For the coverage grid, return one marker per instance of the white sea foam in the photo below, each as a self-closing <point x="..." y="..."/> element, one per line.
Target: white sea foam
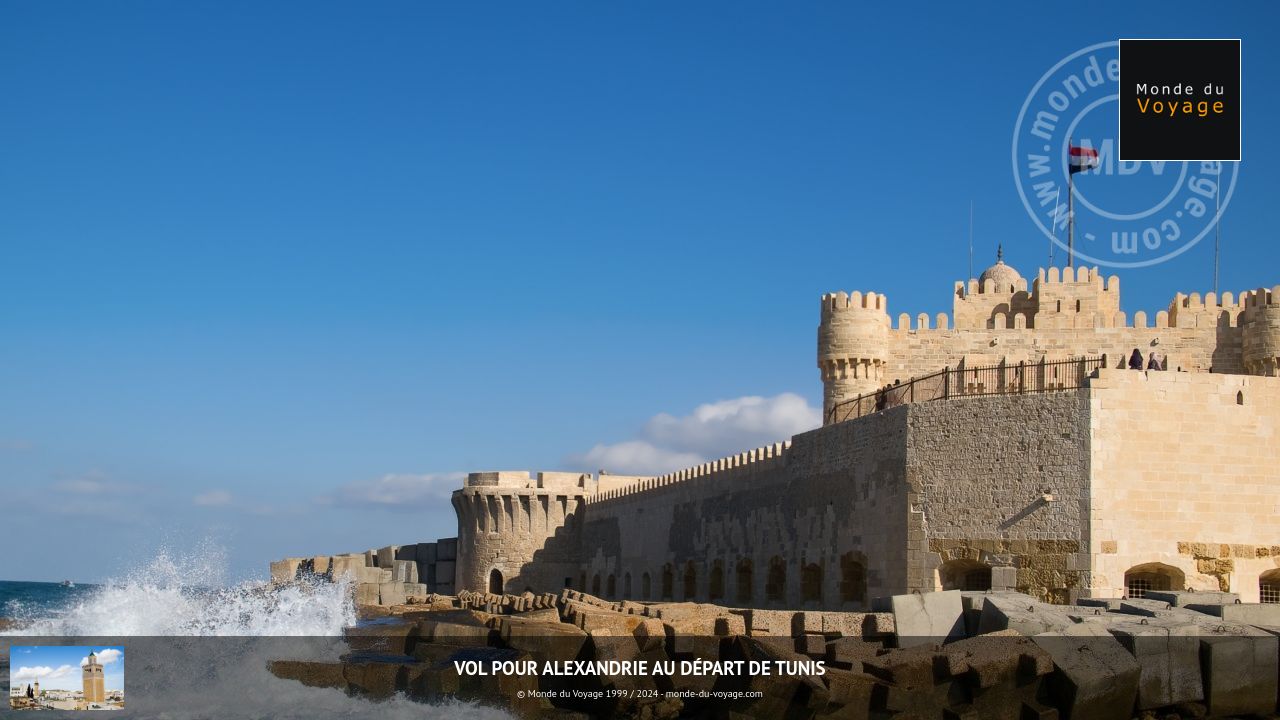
<point x="196" y="648"/>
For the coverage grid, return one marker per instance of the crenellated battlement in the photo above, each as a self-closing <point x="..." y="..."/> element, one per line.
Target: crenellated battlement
<point x="856" y="300"/>
<point x="756" y="459"/>
<point x="1063" y="312"/>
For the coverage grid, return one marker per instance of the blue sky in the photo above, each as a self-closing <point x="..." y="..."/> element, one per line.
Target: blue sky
<point x="58" y="667"/>
<point x="274" y="273"/>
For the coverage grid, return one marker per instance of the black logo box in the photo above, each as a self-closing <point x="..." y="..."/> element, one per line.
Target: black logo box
<point x="1180" y="65"/>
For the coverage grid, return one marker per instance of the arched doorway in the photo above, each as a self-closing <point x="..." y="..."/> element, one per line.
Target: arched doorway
<point x="1269" y="587"/>
<point x="690" y="581"/>
<point x="965" y="574"/>
<point x="495" y="581"/>
<point x="1140" y="579"/>
<point x="626" y="586"/>
<point x="811" y="583"/>
<point x="715" y="590"/>
<point x="853" y="578"/>
<point x="645" y="586"/>
<point x="595" y="584"/>
<point x="775" y="586"/>
<point x="744" y="580"/>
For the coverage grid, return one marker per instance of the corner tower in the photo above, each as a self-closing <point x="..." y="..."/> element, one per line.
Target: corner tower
<point x="1260" y="339"/>
<point x="853" y="346"/>
<point x="516" y="531"/>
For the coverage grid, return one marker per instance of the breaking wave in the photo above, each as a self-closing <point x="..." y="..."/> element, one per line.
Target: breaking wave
<point x="179" y="622"/>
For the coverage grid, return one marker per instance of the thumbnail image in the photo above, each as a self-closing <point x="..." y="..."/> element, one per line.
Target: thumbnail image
<point x="66" y="677"/>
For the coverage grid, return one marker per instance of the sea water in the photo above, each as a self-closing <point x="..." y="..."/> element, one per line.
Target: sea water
<point x="198" y="649"/>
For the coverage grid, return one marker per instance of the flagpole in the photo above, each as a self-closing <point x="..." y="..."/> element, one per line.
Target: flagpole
<point x="1217" y="231"/>
<point x="1057" y="214"/>
<point x="1071" y="210"/>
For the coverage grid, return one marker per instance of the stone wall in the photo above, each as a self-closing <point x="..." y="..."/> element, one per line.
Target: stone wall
<point x="821" y="524"/>
<point x="1185" y="471"/>
<point x="1000" y="481"/>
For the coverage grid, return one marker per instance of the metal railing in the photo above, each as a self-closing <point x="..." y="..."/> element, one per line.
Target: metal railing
<point x="1001" y="379"/>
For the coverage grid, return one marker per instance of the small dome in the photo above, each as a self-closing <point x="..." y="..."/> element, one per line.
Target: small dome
<point x="1003" y="275"/>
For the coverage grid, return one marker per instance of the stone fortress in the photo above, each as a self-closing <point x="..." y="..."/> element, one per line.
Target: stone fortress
<point x="1007" y="446"/>
<point x="1120" y="482"/>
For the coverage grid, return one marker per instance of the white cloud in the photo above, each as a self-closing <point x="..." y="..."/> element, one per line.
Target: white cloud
<point x="213" y="498"/>
<point x="712" y="430"/>
<point x="41" y="672"/>
<point x="633" y="457"/>
<point x="105" y="657"/>
<point x="94" y="483"/>
<point x="398" y="490"/>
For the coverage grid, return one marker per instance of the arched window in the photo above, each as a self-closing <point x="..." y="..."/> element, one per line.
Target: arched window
<point x="1240" y="397"/>
<point x="1269" y="586"/>
<point x="1139" y="579"/>
<point x="744" y="573"/>
<point x="626" y="585"/>
<point x="853" y="578"/>
<point x="644" y="586"/>
<point x="668" y="582"/>
<point x="595" y="585"/>
<point x="715" y="590"/>
<point x="495" y="582"/>
<point x="775" y="586"/>
<point x="690" y="581"/>
<point x="811" y="582"/>
<point x="611" y="587"/>
<point x="964" y="574"/>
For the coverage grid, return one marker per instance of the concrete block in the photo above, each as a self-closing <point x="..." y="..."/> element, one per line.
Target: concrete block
<point x="544" y="641"/>
<point x="407" y="552"/>
<point x="426" y="553"/>
<point x="387" y="556"/>
<point x="347" y="567"/>
<point x="1168" y="654"/>
<point x="927" y="617"/>
<point x="285" y="570"/>
<point x="1020" y="613"/>
<point x="444" y="572"/>
<point x="1249" y="613"/>
<point x="320" y="564"/>
<point x="391" y="593"/>
<point x="405" y="571"/>
<point x="1188" y="598"/>
<point x="1240" y="671"/>
<point x="1094" y="677"/>
<point x="366" y="594"/>
<point x="770" y="622"/>
<point x="464" y="635"/>
<point x="447" y="549"/>
<point x="1004" y="578"/>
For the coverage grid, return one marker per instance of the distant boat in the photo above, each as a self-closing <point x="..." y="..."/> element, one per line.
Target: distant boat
<point x="68" y="583"/>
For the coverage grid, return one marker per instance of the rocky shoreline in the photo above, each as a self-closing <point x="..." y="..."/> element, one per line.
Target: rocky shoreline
<point x="972" y="655"/>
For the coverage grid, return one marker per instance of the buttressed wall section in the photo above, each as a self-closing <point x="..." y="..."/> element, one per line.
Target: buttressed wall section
<point x="821" y="523"/>
<point x="1184" y="488"/>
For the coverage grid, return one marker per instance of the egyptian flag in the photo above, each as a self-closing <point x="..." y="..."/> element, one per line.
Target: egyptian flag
<point x="1082" y="159"/>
